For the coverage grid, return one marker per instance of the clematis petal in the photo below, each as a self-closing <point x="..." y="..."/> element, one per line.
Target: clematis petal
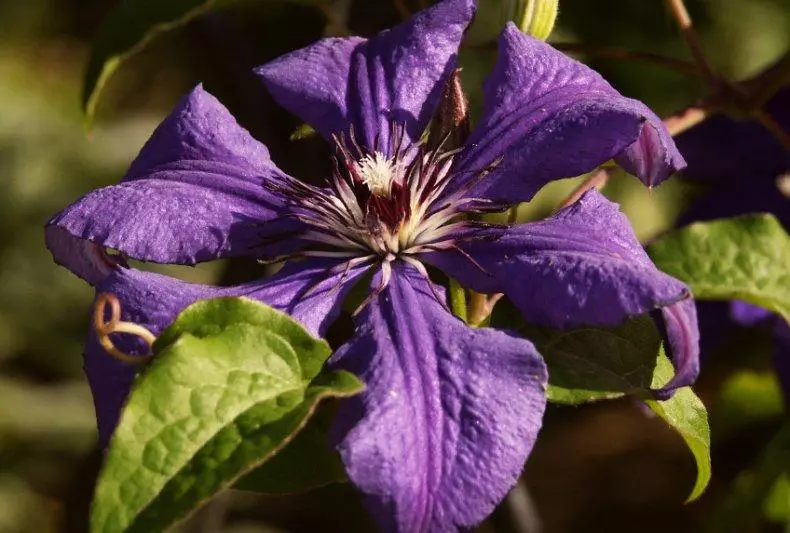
<point x="311" y="292"/>
<point x="581" y="266"/>
<point x="449" y="413"/>
<point x="194" y="193"/>
<point x="747" y="315"/>
<point x="549" y="117"/>
<point x="679" y="324"/>
<point x="397" y="75"/>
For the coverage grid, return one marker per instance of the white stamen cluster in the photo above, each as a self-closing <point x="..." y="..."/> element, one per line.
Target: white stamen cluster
<point x="377" y="172"/>
<point x="401" y="216"/>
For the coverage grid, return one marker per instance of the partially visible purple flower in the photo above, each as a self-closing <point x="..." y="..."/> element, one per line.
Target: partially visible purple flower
<point x="449" y="413"/>
<point x="740" y="163"/>
<point x="745" y="170"/>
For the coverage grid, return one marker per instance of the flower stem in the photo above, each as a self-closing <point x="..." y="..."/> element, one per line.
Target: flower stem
<point x="512" y="215"/>
<point x="769" y="82"/>
<point x="774" y="127"/>
<point x="458" y="300"/>
<point x="688" y="118"/>
<point x="480" y="308"/>
<point x="596" y="180"/>
<point x="681" y="15"/>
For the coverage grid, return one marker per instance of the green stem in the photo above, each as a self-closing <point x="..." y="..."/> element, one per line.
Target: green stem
<point x="480" y="308"/>
<point x="458" y="300"/>
<point x="512" y="215"/>
<point x="477" y="308"/>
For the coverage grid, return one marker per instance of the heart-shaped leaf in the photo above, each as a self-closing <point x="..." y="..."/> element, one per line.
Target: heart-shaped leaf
<point x="742" y="258"/>
<point x="233" y="381"/>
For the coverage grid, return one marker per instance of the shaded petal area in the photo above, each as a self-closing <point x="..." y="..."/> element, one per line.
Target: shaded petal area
<point x="449" y="413"/>
<point x="583" y="265"/>
<point x="714" y="325"/>
<point x="195" y="192"/>
<point x="397" y="75"/>
<point x="748" y="315"/>
<point x="311" y="292"/>
<point x="681" y="331"/>
<point x="549" y="117"/>
<point x="726" y="149"/>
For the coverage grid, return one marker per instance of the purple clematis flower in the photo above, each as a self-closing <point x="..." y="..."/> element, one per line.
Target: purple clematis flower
<point x="450" y="412"/>
<point x="746" y="170"/>
<point x="741" y="163"/>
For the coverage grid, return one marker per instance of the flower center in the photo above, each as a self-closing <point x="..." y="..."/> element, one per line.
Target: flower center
<point x="381" y="204"/>
<point x="377" y="172"/>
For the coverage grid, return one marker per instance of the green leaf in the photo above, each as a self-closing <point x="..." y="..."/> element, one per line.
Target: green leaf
<point x="743" y="258"/>
<point x="588" y="364"/>
<point x="232" y="383"/>
<point x="285" y="472"/>
<point x="129" y="27"/>
<point x="745" y="503"/>
<point x="777" y="506"/>
<point x="591" y="363"/>
<point x="686" y="413"/>
<point x="303" y="131"/>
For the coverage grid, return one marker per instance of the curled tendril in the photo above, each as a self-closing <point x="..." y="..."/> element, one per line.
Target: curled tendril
<point x="116" y="325"/>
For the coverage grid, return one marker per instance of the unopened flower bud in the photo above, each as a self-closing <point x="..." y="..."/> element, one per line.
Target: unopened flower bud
<point x="537" y="17"/>
<point x="533" y="17"/>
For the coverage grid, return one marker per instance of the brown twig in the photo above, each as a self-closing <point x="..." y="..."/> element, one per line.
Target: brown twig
<point x="688" y="118"/>
<point x="765" y="85"/>
<point x="596" y="180"/>
<point x="776" y="130"/>
<point x="681" y="15"/>
<point x="679" y="65"/>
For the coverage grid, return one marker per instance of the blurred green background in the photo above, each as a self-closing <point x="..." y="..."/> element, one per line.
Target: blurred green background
<point x="606" y="467"/>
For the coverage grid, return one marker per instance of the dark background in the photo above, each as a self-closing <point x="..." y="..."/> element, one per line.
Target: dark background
<point x="605" y="467"/>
